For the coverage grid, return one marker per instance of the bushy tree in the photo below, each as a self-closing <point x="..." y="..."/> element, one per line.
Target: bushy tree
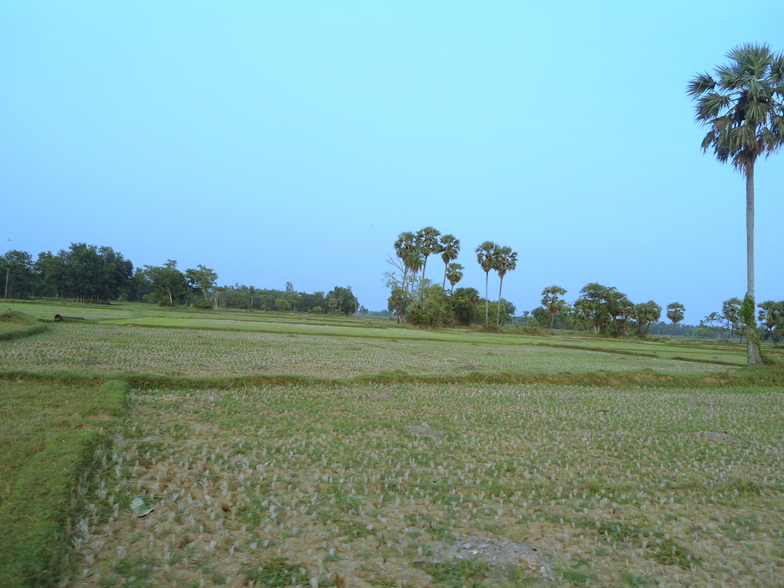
<point x="167" y="284"/>
<point x="430" y="307"/>
<point x="342" y="301"/>
<point x="645" y="314"/>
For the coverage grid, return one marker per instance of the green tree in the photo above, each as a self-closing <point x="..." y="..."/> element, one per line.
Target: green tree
<point x="505" y="261"/>
<point x="17" y="271"/>
<point x="450" y="247"/>
<point x="485" y="256"/>
<point x="743" y="107"/>
<point x="407" y="250"/>
<point x="645" y="314"/>
<point x="454" y="274"/>
<point x="771" y="317"/>
<point x="552" y="300"/>
<point x="730" y="312"/>
<point x="675" y="312"/>
<point x="465" y="305"/>
<point x="166" y="282"/>
<point x="428" y="243"/>
<point x="342" y="300"/>
<point x="431" y="307"/>
<point x="201" y="280"/>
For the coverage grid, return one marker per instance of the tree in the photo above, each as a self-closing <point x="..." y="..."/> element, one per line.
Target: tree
<point x="166" y="282"/>
<point x="771" y="316"/>
<point x="464" y="304"/>
<point x="202" y="279"/>
<point x="604" y="308"/>
<point x="17" y="274"/>
<point x="552" y="301"/>
<point x="730" y="312"/>
<point x="505" y="261"/>
<point x="645" y="314"/>
<point x="431" y="308"/>
<point x="454" y="274"/>
<point x="675" y="312"/>
<point x="342" y="300"/>
<point x="428" y="242"/>
<point x="450" y="247"/>
<point x="743" y="107"/>
<point x="407" y="250"/>
<point x="485" y="256"/>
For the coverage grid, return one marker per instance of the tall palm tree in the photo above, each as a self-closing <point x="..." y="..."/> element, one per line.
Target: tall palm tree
<point x="450" y="247"/>
<point x="406" y="250"/>
<point x="454" y="274"/>
<point x="428" y="241"/>
<point x="743" y="106"/>
<point x="505" y="261"/>
<point x="485" y="255"/>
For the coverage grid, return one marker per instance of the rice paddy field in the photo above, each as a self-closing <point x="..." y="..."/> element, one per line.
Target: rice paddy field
<point x="392" y="463"/>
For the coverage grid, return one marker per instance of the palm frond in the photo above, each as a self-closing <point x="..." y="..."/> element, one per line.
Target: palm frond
<point x="700" y="84"/>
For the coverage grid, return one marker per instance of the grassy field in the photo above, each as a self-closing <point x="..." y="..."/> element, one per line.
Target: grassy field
<point x="388" y="461"/>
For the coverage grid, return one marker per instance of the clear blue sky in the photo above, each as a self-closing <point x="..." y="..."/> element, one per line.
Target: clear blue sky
<point x="292" y="141"/>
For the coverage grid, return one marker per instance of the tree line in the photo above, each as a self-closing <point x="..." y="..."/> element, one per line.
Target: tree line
<point x="87" y="273"/>
<point x="418" y="300"/>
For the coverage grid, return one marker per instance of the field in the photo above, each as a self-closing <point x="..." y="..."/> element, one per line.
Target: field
<point x="285" y="450"/>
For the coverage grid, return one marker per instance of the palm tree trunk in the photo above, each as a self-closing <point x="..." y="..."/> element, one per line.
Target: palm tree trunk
<point x="487" y="300"/>
<point x="498" y="308"/>
<point x="753" y="356"/>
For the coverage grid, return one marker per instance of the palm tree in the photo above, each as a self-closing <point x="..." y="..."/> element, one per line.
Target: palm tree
<point x="454" y="274"/>
<point x="675" y="312"/>
<point x="552" y="301"/>
<point x="505" y="261"/>
<point x="485" y="255"/>
<point x="406" y="249"/>
<point x="450" y="247"/>
<point x="744" y="110"/>
<point x="428" y="241"/>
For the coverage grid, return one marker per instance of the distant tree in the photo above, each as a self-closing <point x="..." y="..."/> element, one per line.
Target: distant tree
<point x="454" y="274"/>
<point x="450" y="247"/>
<point x="429" y="243"/>
<point x="505" y="261"/>
<point x="167" y="282"/>
<point x="743" y="106"/>
<point x="771" y="317"/>
<point x="342" y="300"/>
<point x="289" y="287"/>
<point x="485" y="256"/>
<point x="604" y="308"/>
<point x="407" y="250"/>
<point x="645" y="314"/>
<point x="431" y="307"/>
<point x="675" y="312"/>
<point x="552" y="301"/>
<point x="730" y="312"/>
<point x="16" y="269"/>
<point x="465" y="303"/>
<point x="201" y="280"/>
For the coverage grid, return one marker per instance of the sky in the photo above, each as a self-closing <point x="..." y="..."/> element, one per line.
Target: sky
<point x="293" y="141"/>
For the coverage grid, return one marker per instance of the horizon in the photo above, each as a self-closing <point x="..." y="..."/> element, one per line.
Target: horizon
<point x="293" y="143"/>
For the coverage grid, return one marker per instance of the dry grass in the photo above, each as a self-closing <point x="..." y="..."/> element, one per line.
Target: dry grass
<point x="111" y="349"/>
<point x="367" y="486"/>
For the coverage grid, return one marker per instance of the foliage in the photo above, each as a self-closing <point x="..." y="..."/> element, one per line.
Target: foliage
<point x="465" y="306"/>
<point x="553" y="302"/>
<point x="201" y="280"/>
<point x="168" y="284"/>
<point x="485" y="256"/>
<point x="771" y="318"/>
<point x="431" y="307"/>
<point x="84" y="272"/>
<point x="342" y="301"/>
<point x="645" y="314"/>
<point x="675" y="312"/>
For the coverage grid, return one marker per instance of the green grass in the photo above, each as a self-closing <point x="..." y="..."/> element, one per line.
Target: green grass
<point x="49" y="436"/>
